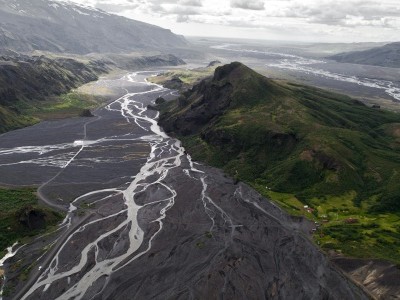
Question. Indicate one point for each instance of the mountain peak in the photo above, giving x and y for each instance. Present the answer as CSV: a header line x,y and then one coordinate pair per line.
x,y
234,70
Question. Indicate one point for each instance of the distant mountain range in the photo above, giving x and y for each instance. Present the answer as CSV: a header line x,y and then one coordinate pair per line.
x,y
60,26
384,56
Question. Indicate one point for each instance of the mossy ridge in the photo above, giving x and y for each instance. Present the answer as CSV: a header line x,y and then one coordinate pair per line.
x,y
316,146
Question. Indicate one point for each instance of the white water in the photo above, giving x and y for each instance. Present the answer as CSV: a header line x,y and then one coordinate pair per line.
x,y
307,66
11,251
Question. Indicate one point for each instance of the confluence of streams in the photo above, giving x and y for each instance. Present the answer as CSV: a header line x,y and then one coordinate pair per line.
x,y
166,154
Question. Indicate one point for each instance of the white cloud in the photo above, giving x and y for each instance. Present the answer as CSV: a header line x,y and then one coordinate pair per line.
x,y
191,2
318,20
248,4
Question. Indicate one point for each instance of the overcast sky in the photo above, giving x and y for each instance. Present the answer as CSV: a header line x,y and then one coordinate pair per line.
x,y
300,20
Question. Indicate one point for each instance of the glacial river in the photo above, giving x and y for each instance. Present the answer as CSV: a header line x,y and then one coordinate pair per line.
x,y
315,67
145,221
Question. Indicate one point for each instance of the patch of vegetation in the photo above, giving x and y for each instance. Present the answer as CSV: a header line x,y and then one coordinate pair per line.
x,y
8,291
200,245
345,227
182,78
10,120
15,207
67,105
300,146
25,273
208,234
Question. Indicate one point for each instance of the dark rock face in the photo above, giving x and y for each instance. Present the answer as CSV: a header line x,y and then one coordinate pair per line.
x,y
160,100
208,101
380,277
86,113
385,56
65,27
32,218
174,84
214,63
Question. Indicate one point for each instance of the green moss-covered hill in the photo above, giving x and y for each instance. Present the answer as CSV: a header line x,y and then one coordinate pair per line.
x,y
292,138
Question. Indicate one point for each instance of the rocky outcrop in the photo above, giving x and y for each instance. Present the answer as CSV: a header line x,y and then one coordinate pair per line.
x,y
381,278
214,63
32,218
86,113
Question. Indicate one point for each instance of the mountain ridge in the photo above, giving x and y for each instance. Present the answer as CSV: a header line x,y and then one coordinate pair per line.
x,y
59,26
317,154
384,56
32,83
240,107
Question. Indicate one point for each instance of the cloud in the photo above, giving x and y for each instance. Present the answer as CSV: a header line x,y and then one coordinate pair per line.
x,y
343,13
197,3
248,4
354,20
182,19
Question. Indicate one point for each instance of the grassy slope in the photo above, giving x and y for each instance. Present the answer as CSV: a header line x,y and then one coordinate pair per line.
x,y
31,86
65,106
13,203
10,120
57,107
189,77
311,147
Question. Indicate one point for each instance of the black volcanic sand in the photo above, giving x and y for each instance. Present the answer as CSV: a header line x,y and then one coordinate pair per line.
x,y
255,251
153,224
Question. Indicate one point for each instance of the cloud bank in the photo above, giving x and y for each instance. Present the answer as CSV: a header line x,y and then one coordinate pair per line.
x,y
319,20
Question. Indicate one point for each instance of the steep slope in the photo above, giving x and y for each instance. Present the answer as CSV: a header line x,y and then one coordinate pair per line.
x,y
385,56
26,81
31,82
57,26
320,155
291,138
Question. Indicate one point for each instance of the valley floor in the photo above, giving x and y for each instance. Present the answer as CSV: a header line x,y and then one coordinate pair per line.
x,y
143,219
